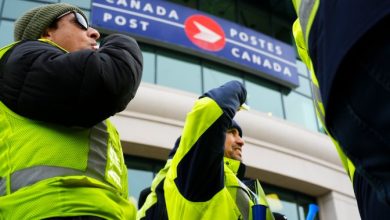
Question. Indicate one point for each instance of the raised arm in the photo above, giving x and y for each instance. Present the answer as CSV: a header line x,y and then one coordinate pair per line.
x,y
75,89
198,163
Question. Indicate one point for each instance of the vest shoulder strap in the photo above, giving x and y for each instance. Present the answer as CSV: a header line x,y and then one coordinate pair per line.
x,y
4,53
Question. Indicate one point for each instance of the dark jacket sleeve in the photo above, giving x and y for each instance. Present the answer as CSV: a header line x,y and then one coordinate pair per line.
x,y
200,173
229,97
82,88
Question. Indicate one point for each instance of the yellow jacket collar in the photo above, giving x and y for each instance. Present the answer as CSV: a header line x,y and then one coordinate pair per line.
x,y
236,166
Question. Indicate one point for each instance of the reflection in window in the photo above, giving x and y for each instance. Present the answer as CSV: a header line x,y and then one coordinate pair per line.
x,y
264,96
215,76
300,109
7,32
179,72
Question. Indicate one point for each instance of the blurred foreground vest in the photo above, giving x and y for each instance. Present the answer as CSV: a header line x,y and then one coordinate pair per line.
x,y
301,30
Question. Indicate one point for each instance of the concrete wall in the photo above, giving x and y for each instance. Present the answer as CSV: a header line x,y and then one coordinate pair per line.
x,y
276,151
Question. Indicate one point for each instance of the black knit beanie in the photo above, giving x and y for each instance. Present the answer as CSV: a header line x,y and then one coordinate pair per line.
x,y
237,126
33,23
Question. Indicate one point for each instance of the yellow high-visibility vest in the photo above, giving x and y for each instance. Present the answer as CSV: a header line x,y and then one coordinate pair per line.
x,y
306,11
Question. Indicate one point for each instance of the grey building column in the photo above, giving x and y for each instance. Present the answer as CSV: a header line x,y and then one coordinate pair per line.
x,y
337,206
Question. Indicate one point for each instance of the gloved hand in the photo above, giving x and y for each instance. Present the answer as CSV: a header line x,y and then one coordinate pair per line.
x,y
229,96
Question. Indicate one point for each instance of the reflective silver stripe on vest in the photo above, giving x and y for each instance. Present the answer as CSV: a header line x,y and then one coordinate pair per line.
x,y
317,100
304,13
2,186
242,200
96,166
97,158
32,175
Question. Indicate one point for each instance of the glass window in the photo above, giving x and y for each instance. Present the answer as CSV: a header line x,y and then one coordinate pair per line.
x,y
14,9
214,76
81,4
290,210
301,211
137,181
264,96
302,69
149,67
141,172
300,109
304,86
178,71
292,204
7,32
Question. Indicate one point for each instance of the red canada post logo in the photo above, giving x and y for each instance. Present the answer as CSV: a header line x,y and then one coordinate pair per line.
x,y
205,33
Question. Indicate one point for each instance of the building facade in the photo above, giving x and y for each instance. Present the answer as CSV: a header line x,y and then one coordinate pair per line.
x,y
191,46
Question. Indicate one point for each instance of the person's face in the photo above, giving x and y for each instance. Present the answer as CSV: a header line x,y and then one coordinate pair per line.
x,y
71,36
233,144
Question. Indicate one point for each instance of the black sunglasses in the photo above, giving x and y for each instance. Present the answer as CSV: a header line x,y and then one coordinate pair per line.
x,y
79,19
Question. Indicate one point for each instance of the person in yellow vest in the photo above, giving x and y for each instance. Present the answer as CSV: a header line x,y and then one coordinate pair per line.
x,y
201,179
151,202
60,155
346,46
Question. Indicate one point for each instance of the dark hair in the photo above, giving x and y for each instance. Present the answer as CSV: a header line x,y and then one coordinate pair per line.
x,y
54,24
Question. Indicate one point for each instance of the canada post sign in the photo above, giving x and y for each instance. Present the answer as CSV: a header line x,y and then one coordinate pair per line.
x,y
185,28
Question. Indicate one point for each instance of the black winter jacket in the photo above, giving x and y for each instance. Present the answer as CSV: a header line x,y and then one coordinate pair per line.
x,y
42,82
